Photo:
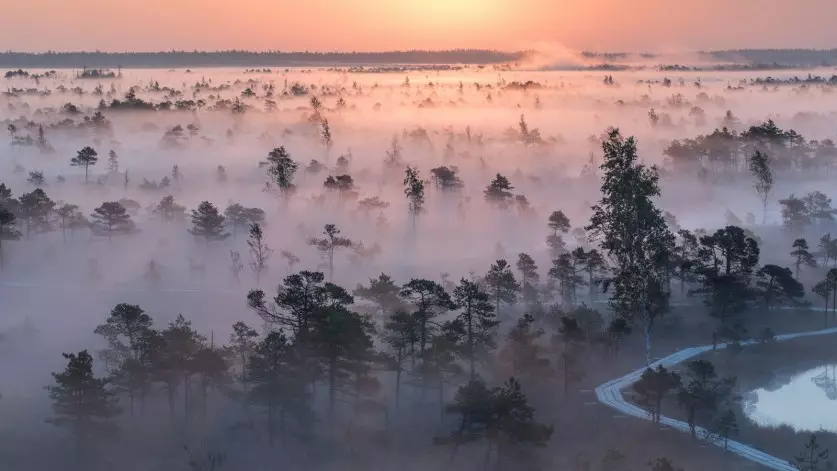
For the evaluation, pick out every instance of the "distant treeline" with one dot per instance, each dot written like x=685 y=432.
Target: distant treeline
x=174 y=59
x=762 y=57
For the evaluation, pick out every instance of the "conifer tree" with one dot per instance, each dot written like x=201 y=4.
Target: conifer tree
x=111 y=218
x=208 y=223
x=82 y=402
x=86 y=157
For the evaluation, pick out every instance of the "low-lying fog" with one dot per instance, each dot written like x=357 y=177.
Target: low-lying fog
x=206 y=131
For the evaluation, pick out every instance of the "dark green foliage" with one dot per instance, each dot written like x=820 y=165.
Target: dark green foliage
x=802 y=255
x=281 y=171
x=634 y=234
x=401 y=334
x=776 y=286
x=727 y=261
x=260 y=252
x=522 y=352
x=414 y=190
x=478 y=320
x=445 y=178
x=703 y=393
x=208 y=223
x=81 y=401
x=33 y=209
x=559 y=222
x=500 y=416
x=501 y=284
x=85 y=157
x=169 y=210
x=328 y=244
x=110 y=219
x=7 y=229
x=276 y=384
x=430 y=300
x=763 y=176
x=653 y=386
x=498 y=192
x=382 y=291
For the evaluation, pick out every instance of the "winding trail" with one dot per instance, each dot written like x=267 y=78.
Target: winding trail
x=610 y=394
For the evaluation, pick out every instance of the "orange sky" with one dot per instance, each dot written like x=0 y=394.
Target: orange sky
x=624 y=25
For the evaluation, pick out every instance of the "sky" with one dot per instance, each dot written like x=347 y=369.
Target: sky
x=375 y=25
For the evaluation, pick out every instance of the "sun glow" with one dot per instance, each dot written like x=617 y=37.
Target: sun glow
x=464 y=13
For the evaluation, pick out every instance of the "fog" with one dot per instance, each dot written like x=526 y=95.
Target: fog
x=57 y=286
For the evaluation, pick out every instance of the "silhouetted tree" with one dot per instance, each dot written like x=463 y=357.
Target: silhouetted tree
x=236 y=266
x=653 y=386
x=777 y=287
x=813 y=458
x=259 y=251
x=7 y=230
x=329 y=244
x=414 y=190
x=34 y=210
x=207 y=223
x=704 y=392
x=801 y=255
x=111 y=218
x=169 y=210
x=501 y=416
x=478 y=319
x=86 y=157
x=431 y=300
x=498 y=192
x=277 y=385
x=763 y=175
x=400 y=335
x=281 y=171
x=632 y=231
x=82 y=402
x=501 y=284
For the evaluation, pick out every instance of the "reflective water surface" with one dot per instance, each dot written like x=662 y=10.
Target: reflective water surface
x=807 y=401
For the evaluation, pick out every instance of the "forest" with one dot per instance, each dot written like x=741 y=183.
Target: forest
x=433 y=268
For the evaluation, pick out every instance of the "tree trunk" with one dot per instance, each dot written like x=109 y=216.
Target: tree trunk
x=646 y=332
x=270 y=428
x=397 y=386
x=332 y=386
x=186 y=397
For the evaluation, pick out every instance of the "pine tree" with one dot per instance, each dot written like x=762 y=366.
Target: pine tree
x=169 y=210
x=276 y=383
x=208 y=223
x=763 y=175
x=85 y=158
x=498 y=192
x=430 y=300
x=478 y=319
x=81 y=401
x=111 y=218
x=802 y=255
x=655 y=385
x=414 y=190
x=501 y=284
x=400 y=335
x=7 y=230
x=281 y=171
x=259 y=251
x=522 y=351
x=328 y=244
x=34 y=210
x=242 y=345
x=129 y=333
